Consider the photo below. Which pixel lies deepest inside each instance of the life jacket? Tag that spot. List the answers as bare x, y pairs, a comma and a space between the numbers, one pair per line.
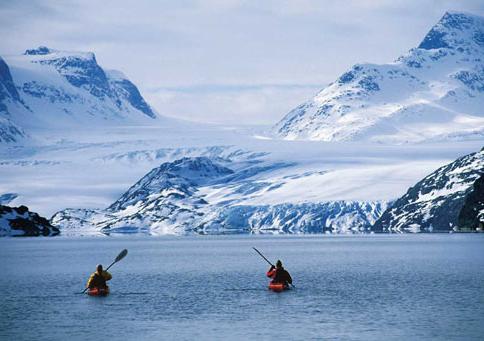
98, 281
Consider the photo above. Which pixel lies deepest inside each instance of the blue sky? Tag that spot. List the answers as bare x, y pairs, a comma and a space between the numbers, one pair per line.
226, 61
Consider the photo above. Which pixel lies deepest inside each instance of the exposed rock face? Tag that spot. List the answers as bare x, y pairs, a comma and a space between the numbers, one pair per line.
7, 87
19, 221
9, 131
434, 203
471, 216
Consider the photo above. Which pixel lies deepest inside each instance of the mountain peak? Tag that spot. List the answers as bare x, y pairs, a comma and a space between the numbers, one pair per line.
62, 89
43, 53
41, 50
197, 169
460, 20
421, 96
453, 30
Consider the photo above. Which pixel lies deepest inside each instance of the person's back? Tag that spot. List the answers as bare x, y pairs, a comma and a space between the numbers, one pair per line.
99, 278
282, 276
279, 274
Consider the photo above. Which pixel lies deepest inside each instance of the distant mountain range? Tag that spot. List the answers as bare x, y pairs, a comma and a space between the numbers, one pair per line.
46, 88
434, 92
173, 199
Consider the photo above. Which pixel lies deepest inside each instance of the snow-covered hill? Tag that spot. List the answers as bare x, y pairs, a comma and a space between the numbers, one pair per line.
178, 197
49, 89
434, 92
435, 202
19, 221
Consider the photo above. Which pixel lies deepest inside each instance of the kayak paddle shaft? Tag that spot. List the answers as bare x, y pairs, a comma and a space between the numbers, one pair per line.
263, 256
121, 255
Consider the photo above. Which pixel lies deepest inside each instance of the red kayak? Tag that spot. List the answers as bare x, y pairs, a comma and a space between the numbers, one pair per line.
278, 287
98, 291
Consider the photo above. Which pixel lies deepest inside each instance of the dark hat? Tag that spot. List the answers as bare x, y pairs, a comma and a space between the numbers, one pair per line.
279, 263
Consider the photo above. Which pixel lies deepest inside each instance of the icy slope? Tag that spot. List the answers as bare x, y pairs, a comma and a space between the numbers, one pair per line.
48, 89
9, 97
434, 92
434, 203
178, 197
271, 178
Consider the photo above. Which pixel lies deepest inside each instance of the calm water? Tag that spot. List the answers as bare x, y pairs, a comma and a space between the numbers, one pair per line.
350, 287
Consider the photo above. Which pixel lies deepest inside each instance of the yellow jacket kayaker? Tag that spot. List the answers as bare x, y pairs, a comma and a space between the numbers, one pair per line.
99, 278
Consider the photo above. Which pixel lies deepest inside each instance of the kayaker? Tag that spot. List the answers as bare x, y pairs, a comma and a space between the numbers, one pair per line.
279, 274
99, 278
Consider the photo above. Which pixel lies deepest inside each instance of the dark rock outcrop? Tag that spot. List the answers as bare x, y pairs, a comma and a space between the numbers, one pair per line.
434, 203
19, 221
471, 216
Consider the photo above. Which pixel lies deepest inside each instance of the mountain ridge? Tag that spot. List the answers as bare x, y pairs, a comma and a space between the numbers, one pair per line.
46, 88
433, 92
434, 203
174, 199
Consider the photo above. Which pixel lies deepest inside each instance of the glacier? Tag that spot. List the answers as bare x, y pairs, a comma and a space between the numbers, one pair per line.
78, 143
174, 198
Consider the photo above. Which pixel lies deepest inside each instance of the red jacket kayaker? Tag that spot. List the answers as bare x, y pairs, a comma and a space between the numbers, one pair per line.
279, 274
99, 278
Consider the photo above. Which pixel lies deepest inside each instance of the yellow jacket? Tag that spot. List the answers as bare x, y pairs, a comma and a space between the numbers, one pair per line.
106, 275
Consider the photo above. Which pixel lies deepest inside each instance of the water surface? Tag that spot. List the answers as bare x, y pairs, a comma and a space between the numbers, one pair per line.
347, 287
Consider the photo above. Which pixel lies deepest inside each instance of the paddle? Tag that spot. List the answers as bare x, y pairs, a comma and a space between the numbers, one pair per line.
121, 255
260, 254
263, 256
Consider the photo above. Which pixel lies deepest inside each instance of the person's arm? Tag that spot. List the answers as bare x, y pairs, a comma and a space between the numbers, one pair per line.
89, 281
272, 272
107, 276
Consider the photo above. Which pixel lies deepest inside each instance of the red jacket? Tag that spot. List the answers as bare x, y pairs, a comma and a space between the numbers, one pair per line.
279, 275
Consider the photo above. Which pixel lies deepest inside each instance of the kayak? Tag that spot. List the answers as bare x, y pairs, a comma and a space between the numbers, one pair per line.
98, 291
278, 287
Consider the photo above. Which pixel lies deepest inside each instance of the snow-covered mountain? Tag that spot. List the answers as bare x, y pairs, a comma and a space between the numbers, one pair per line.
434, 92
178, 198
45, 88
435, 202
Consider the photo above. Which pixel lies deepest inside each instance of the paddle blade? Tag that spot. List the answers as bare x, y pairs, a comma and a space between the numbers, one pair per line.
121, 255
